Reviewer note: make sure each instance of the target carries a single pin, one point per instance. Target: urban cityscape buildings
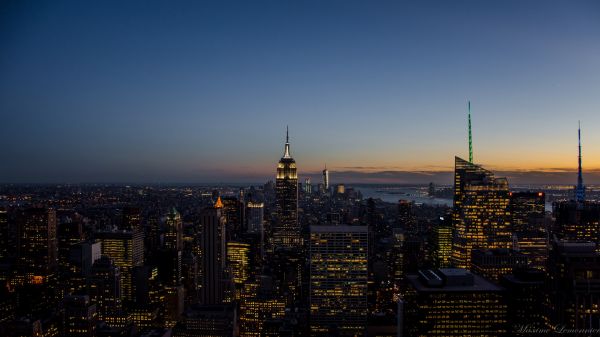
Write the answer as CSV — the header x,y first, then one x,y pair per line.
x,y
286,259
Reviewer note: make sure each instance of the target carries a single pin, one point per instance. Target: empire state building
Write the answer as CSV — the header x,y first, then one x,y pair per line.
x,y
286,232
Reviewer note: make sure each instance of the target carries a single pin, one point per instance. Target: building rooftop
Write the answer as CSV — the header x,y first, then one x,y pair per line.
x,y
338,229
450,280
575,248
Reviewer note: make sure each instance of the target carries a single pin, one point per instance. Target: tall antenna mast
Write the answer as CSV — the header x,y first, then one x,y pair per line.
x,y
470,137
580,189
286,153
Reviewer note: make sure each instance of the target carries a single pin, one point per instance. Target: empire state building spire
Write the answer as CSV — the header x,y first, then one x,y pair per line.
x,y
286,231
286,153
580,189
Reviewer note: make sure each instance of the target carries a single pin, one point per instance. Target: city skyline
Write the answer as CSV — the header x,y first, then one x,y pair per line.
x,y
313,168
173,95
376,175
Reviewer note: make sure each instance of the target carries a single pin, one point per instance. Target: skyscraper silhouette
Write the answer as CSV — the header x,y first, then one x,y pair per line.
x,y
286,232
212,224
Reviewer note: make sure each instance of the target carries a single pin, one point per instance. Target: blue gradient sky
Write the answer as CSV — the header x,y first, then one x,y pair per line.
x,y
199,91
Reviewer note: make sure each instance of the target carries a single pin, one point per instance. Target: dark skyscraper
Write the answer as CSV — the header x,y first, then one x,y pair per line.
x,y
574,285
525,297
530,235
286,232
104,288
131,219
577,221
232,211
173,247
212,244
406,218
80,317
495,263
4,234
38,249
171,267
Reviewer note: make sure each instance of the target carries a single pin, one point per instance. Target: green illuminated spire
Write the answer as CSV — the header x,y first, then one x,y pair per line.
x,y
470,137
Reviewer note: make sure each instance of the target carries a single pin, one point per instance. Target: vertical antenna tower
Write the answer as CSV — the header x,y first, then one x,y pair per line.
x,y
580,190
470,137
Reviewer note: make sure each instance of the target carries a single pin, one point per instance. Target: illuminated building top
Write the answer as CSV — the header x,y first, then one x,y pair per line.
x,y
219,203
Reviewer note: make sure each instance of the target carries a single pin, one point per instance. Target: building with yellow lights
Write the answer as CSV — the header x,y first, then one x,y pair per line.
x,y
286,231
442,236
126,249
453,302
492,264
338,280
481,216
238,265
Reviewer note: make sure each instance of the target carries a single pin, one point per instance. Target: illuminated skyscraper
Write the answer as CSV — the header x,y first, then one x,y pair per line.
x,y
286,231
238,264
174,232
481,217
454,302
126,249
338,279
527,211
578,219
258,305
307,186
212,245
442,246
255,213
326,179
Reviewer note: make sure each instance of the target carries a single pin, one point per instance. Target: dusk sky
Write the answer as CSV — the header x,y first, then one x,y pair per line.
x,y
199,91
